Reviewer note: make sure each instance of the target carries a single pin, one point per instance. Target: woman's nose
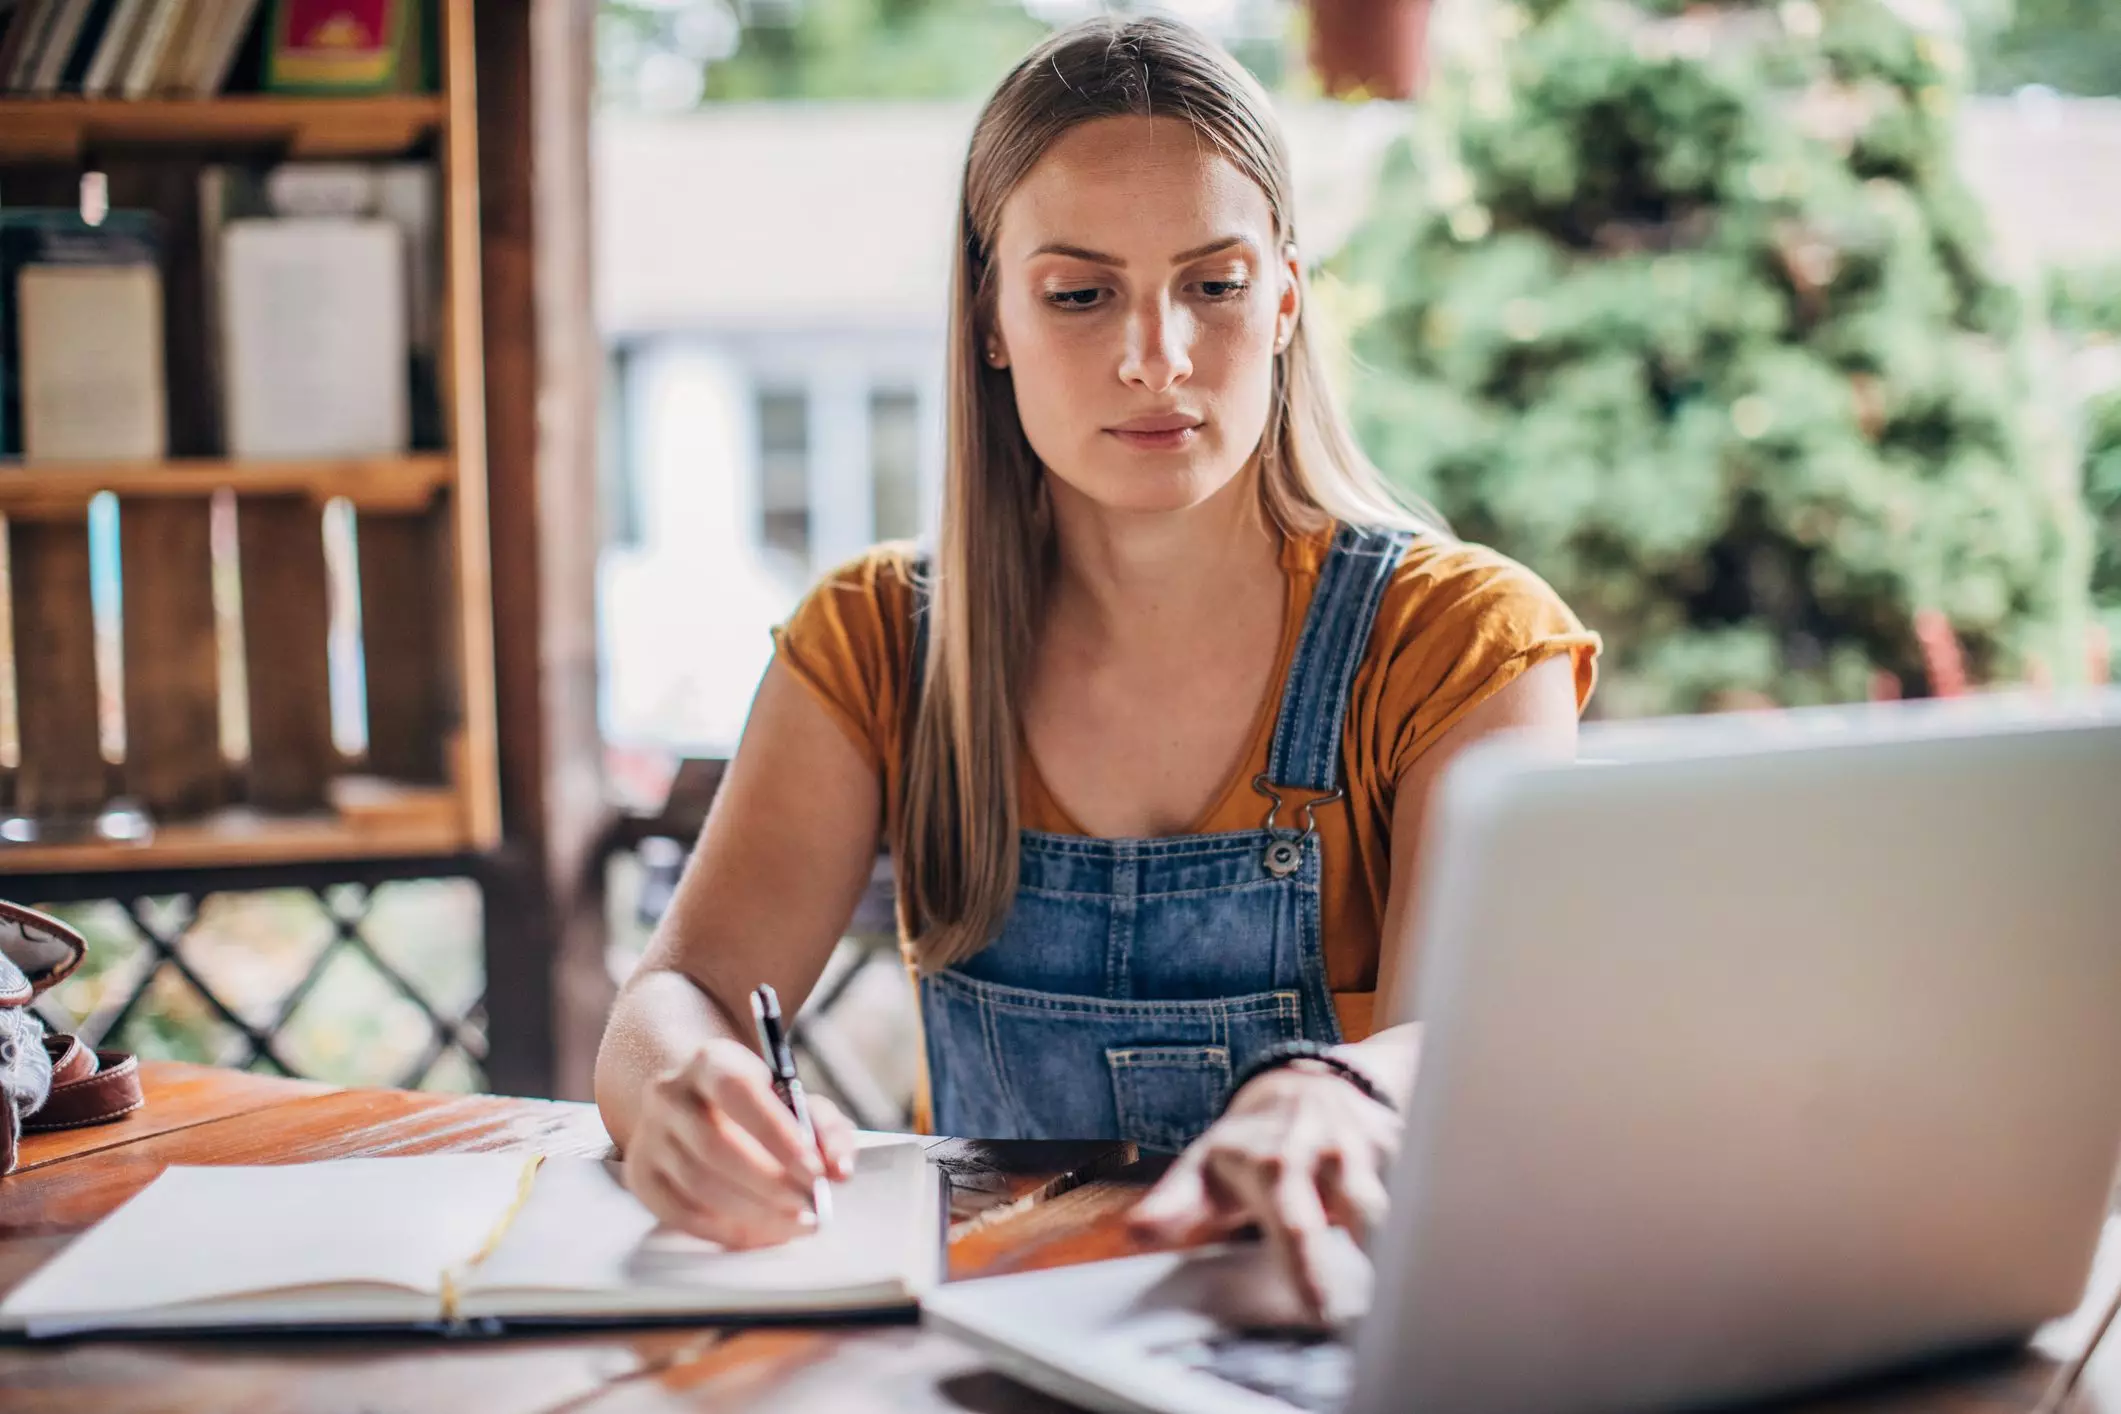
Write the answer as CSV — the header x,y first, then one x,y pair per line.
x,y
1159,346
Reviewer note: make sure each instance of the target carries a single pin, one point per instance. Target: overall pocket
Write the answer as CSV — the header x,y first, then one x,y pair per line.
x,y
1016,1063
1166,1095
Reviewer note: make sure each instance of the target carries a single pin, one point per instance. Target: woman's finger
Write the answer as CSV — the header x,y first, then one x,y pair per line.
x,y
712,1209
718,1177
1355,1196
836,1137
748,1102
1178,1204
1281,1194
736,1157
741,1221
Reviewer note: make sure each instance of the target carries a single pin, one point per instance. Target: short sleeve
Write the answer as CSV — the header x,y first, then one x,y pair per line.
x,y
1459,623
848,643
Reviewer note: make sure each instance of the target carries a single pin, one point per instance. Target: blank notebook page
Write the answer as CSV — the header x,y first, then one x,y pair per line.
x,y
582,1231
197,1234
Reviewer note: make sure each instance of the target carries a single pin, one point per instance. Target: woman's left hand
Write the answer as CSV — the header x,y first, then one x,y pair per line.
x,y
1298,1151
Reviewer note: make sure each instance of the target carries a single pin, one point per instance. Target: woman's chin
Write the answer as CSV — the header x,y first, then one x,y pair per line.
x,y
1142,490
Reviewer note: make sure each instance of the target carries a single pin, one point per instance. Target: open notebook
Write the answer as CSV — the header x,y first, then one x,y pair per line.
x,y
454,1240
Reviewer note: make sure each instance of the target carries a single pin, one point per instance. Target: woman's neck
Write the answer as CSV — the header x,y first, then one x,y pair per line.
x,y
1133,578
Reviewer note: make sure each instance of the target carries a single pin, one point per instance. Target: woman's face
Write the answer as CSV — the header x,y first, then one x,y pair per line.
x,y
1140,299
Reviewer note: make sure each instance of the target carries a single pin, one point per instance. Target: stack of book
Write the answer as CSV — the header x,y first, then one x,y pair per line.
x,y
320,320
200,48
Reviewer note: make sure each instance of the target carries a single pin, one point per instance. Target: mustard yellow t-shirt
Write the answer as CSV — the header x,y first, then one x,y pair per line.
x,y
1457,624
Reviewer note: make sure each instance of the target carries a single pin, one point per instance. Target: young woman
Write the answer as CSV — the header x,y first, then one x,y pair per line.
x,y
1150,738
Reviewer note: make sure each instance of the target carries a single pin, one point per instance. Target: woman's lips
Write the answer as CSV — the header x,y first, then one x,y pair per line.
x,y
1163,433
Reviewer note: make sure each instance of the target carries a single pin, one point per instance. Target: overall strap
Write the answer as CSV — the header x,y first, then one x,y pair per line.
x,y
1336,634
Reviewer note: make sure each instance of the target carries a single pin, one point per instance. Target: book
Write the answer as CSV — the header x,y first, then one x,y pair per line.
x,y
157,32
24,21
345,46
85,44
56,45
93,387
219,57
407,194
167,77
457,1242
34,235
119,37
314,345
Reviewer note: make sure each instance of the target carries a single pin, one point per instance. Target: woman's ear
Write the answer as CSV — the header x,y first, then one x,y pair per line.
x,y
994,352
1292,298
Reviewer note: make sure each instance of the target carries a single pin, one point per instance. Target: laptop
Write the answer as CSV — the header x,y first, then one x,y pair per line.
x,y
1758,1053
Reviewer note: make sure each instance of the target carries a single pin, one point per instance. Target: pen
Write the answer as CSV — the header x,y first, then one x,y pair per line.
x,y
773,1043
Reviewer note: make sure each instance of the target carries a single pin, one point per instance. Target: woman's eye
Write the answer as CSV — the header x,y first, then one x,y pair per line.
x,y
1224,289
1073,299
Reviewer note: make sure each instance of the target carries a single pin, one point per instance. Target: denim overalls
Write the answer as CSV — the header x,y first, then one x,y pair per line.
x,y
1132,977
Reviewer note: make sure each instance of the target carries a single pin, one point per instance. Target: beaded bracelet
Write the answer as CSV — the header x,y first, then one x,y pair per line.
x,y
1285,1053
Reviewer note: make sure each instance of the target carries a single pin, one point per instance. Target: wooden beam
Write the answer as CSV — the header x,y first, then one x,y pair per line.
x,y
535,79
465,397
63,490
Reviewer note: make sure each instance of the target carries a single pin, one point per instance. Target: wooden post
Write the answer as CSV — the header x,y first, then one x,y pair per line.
x,y
286,623
548,991
62,776
172,669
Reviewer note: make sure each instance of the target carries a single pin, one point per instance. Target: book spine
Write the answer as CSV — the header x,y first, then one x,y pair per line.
x,y
118,41
147,56
227,45
182,79
169,69
58,45
22,22
94,25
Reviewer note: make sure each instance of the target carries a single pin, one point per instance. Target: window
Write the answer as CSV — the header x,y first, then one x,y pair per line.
x,y
784,471
618,471
895,462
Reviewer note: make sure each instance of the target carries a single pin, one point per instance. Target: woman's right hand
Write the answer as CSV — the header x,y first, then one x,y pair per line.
x,y
716,1154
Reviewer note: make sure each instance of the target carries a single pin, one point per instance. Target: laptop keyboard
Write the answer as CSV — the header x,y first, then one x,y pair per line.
x,y
1311,1372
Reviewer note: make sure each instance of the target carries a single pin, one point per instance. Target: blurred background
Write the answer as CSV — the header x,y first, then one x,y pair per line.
x,y
1784,339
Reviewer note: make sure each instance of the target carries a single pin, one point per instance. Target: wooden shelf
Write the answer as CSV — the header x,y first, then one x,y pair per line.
x,y
62,129
401,484
419,823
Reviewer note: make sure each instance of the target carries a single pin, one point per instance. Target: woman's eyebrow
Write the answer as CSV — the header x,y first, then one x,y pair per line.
x,y
1096,257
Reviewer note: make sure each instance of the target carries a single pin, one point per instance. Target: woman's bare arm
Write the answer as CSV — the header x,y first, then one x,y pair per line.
x,y
785,854
1541,707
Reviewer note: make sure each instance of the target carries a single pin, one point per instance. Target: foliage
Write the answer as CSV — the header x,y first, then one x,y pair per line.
x,y
2086,307
2070,45
673,53
1685,307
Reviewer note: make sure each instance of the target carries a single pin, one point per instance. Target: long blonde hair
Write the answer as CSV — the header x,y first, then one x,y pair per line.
x,y
954,842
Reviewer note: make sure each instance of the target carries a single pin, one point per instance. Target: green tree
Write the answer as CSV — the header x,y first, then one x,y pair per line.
x,y
1684,306
2087,313
676,52
2071,45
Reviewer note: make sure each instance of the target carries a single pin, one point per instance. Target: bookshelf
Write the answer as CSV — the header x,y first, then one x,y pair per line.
x,y
67,129
427,782
404,484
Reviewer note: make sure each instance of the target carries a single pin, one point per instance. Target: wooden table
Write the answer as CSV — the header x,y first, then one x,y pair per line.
x,y
1015,1207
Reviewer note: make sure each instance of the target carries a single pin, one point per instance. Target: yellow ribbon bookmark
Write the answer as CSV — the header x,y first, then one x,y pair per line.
x,y
451,1276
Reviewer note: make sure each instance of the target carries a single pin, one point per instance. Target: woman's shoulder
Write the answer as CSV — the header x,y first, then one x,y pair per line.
x,y
1458,622
1441,578
882,574
850,641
